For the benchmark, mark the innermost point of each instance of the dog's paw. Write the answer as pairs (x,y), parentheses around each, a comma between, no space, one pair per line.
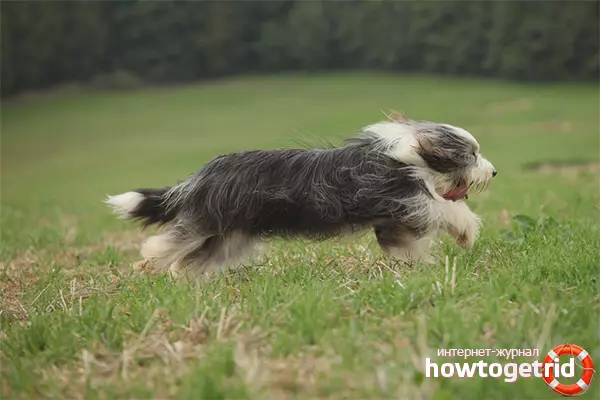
(466,232)
(468,235)
(465,241)
(143,266)
(146,266)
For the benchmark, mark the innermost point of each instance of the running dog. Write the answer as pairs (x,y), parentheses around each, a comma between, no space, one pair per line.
(405,179)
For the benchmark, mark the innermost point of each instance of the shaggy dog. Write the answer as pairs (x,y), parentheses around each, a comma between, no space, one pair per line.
(405,179)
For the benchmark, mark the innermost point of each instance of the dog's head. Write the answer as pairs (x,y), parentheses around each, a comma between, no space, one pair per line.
(450,155)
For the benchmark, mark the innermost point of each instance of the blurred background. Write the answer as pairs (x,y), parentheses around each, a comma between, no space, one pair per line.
(103,96)
(120,44)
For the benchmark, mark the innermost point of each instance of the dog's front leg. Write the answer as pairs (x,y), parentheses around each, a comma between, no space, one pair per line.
(459,221)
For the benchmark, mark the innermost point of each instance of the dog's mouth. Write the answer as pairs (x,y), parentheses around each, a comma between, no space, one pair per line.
(461,192)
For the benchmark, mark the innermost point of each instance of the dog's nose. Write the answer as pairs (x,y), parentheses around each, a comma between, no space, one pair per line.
(494,173)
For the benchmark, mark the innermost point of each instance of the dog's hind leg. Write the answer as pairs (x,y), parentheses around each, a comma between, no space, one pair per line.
(167,250)
(180,250)
(402,244)
(219,252)
(156,252)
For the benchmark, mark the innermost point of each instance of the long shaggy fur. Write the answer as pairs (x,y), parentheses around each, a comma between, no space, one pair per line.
(312,193)
(391,178)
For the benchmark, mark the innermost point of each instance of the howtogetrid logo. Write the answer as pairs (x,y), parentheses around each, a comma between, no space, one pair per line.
(550,365)
(550,370)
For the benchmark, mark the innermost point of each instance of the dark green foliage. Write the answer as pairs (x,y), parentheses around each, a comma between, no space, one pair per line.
(47,43)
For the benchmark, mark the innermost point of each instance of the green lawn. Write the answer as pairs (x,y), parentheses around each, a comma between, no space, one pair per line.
(326,320)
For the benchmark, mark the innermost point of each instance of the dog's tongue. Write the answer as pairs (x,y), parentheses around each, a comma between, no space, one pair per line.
(458,193)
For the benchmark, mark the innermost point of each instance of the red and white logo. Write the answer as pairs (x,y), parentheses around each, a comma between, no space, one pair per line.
(551,362)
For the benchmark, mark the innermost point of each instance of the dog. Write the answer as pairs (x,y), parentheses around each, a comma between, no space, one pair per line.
(405,179)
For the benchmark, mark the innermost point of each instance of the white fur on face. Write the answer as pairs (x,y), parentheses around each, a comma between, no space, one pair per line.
(400,141)
(438,184)
(479,177)
(482,173)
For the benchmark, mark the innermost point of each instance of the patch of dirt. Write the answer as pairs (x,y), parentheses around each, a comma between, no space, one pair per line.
(504,107)
(570,171)
(556,126)
(22,272)
(16,276)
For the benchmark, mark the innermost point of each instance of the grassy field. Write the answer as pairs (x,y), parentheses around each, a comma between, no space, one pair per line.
(313,320)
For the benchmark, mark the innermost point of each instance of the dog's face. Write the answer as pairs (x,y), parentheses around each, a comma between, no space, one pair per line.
(453,155)
(450,154)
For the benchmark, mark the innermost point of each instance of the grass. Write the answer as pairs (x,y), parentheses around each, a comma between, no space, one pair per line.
(328,320)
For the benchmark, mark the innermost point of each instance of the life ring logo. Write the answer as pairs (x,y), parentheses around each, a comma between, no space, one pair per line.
(551,362)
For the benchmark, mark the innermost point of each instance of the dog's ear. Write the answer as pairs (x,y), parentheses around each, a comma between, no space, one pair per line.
(397,116)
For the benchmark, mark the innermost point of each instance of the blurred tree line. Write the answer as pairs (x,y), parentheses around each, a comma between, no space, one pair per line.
(115,42)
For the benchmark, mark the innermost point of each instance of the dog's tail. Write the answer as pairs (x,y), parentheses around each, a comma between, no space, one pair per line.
(151,206)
